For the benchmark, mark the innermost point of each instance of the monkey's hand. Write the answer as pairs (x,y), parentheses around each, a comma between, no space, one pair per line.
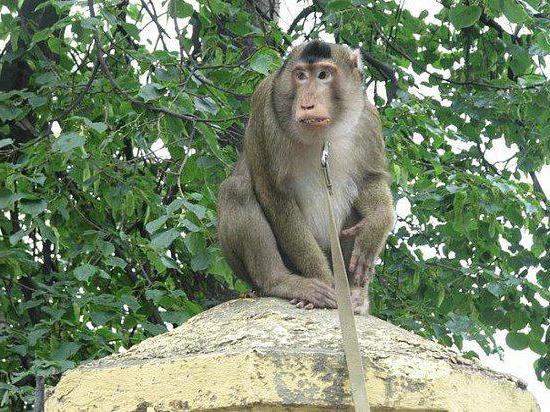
(361,264)
(317,294)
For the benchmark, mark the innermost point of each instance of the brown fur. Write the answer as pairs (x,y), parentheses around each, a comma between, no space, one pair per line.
(272,216)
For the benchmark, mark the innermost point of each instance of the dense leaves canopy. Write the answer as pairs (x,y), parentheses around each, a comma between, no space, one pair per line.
(116,132)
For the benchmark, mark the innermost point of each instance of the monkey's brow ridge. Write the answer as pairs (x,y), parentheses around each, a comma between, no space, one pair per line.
(316,50)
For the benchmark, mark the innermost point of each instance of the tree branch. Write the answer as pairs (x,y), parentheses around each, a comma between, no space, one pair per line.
(437,76)
(386,71)
(538,188)
(301,16)
(107,72)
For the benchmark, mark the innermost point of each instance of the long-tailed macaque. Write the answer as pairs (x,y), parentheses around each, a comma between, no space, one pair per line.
(273,218)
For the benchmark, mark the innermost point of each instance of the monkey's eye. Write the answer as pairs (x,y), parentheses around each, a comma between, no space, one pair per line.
(324,75)
(301,75)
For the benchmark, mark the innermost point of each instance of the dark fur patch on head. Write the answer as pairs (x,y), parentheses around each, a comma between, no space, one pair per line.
(316,50)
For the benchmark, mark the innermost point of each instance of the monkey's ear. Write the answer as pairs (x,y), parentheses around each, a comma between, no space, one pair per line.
(356,59)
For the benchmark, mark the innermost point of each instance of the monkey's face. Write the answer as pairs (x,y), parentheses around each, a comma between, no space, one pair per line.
(314,95)
(318,92)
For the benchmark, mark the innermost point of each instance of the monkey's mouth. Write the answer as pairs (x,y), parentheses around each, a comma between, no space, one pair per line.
(314,121)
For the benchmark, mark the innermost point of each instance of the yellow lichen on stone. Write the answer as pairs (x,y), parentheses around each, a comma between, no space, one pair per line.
(265,355)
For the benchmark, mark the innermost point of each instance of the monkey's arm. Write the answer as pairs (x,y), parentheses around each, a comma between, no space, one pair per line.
(375,205)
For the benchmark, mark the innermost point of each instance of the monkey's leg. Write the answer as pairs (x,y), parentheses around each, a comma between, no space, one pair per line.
(367,233)
(249,243)
(359,292)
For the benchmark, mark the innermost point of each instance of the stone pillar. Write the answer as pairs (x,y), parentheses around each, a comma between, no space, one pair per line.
(265,355)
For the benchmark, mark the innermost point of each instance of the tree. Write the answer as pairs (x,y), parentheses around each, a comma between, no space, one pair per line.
(120,119)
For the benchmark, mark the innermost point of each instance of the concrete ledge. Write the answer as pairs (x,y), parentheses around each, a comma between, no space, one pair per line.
(266,355)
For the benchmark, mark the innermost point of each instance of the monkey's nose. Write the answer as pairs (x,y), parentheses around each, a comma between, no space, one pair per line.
(307,107)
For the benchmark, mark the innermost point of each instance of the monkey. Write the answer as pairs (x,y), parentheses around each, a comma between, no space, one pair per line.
(272,214)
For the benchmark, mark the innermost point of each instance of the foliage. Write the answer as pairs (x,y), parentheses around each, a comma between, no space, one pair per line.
(115,137)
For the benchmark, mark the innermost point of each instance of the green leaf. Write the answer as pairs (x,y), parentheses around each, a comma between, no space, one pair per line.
(107,248)
(99,127)
(156,224)
(197,210)
(134,12)
(55,44)
(180,9)
(462,16)
(206,104)
(33,208)
(164,239)
(539,347)
(154,294)
(5,142)
(338,5)
(170,263)
(153,328)
(513,11)
(48,232)
(20,234)
(189,225)
(175,205)
(517,341)
(47,79)
(177,317)
(91,22)
(150,92)
(115,261)
(542,40)
(84,272)
(65,351)
(34,335)
(131,302)
(262,61)
(67,142)
(530,80)
(131,29)
(37,101)
(101,318)
(195,243)
(200,261)
(9,113)
(41,35)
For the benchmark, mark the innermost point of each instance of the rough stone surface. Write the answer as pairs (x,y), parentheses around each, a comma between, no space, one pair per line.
(266,355)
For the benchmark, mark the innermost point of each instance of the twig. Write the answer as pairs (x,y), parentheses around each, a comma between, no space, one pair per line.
(387,72)
(538,188)
(86,89)
(39,394)
(493,24)
(154,17)
(301,16)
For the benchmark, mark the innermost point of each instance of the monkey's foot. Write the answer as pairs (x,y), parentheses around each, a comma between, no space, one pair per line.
(362,273)
(251,294)
(302,304)
(318,293)
(359,301)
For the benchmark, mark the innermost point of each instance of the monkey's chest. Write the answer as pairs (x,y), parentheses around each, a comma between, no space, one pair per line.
(310,195)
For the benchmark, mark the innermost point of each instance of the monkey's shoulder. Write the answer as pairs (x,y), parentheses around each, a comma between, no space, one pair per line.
(371,111)
(237,186)
(369,127)
(263,90)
